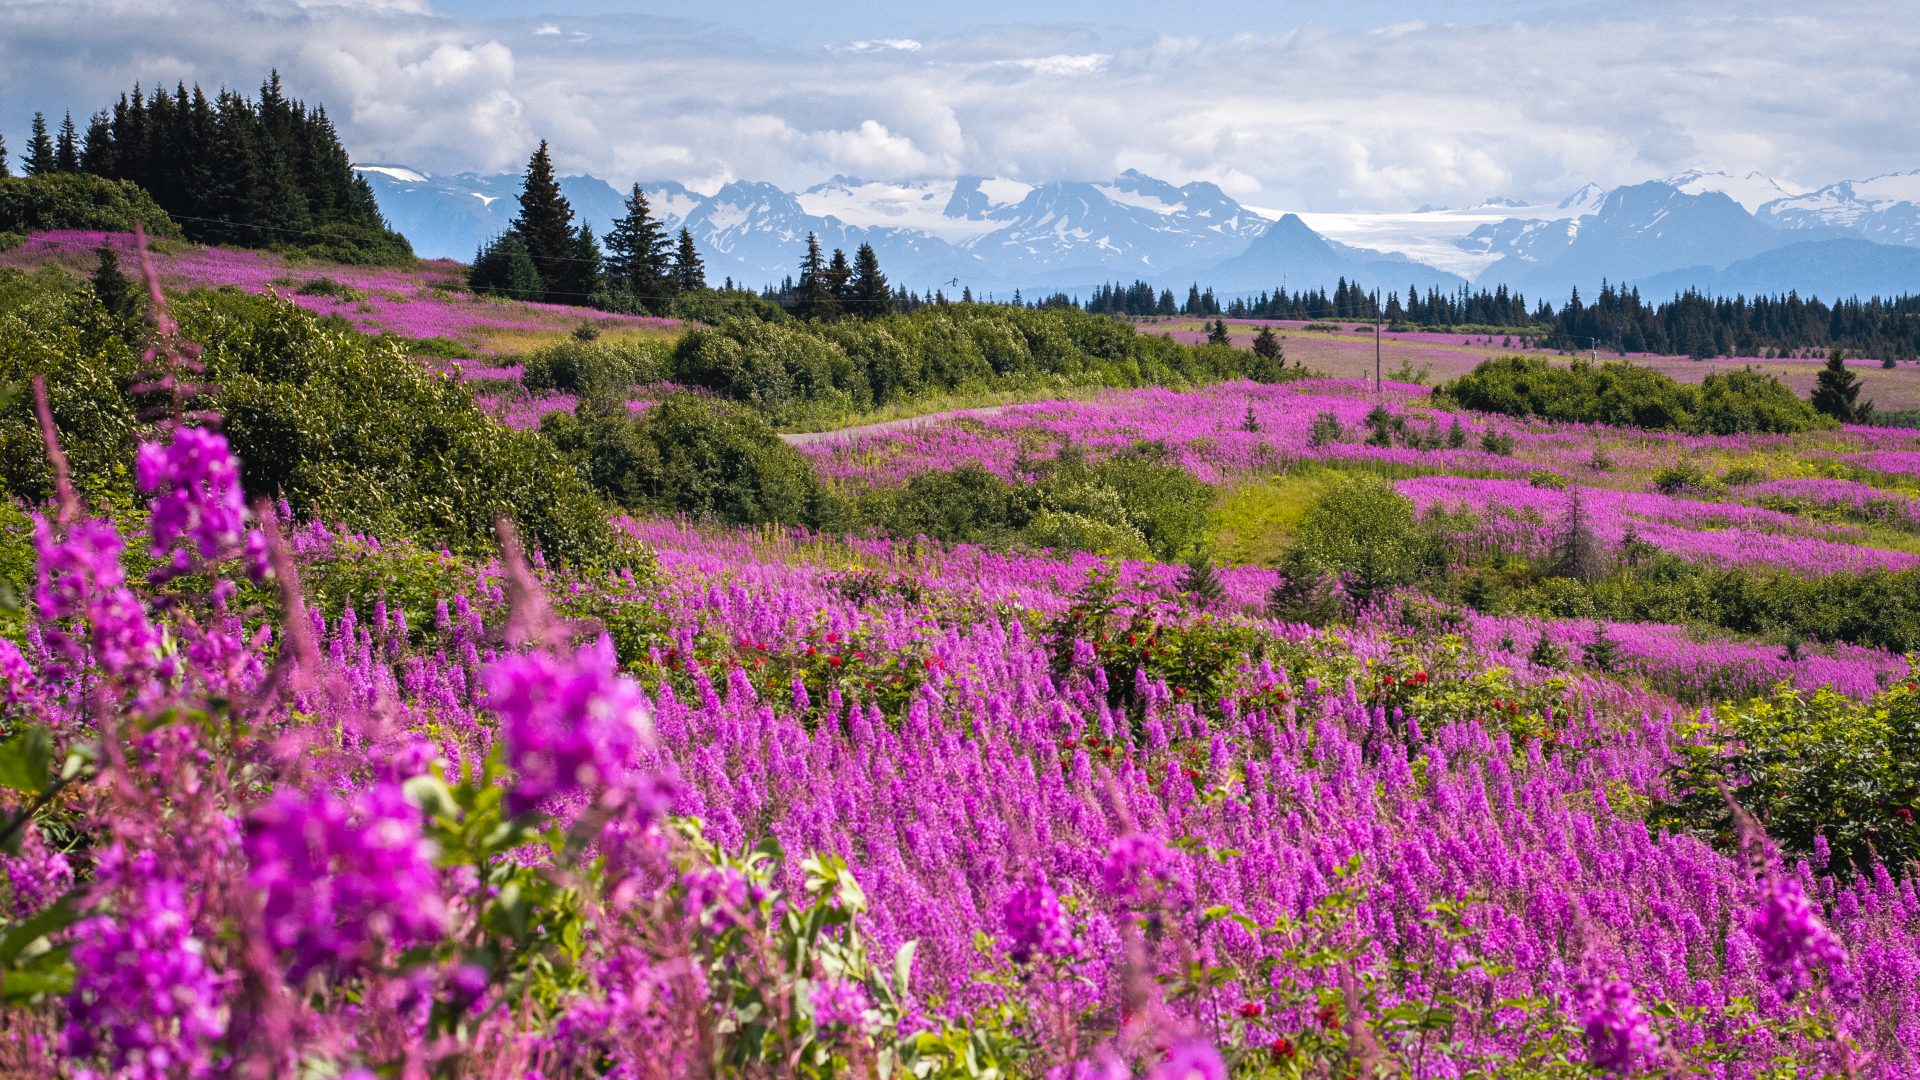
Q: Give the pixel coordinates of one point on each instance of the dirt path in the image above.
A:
(802, 438)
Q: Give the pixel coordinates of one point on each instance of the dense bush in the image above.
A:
(347, 429)
(1137, 503)
(1631, 396)
(1362, 533)
(593, 368)
(77, 201)
(1819, 767)
(1880, 608)
(693, 455)
(794, 371)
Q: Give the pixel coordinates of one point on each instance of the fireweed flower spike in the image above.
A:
(339, 877)
(571, 722)
(1619, 1033)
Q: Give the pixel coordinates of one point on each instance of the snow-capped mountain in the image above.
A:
(1885, 209)
(994, 235)
(1751, 191)
(1293, 256)
(1638, 231)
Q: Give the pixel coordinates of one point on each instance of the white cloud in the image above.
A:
(1062, 64)
(546, 30)
(880, 45)
(1290, 117)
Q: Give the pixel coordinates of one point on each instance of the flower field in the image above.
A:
(1519, 495)
(1347, 351)
(429, 301)
(282, 798)
(1279, 848)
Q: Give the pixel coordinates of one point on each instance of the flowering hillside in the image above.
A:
(279, 797)
(429, 301)
(1516, 474)
(782, 803)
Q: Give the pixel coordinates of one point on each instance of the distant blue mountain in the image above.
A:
(1702, 230)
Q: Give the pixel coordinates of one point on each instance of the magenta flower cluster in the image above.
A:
(144, 999)
(570, 723)
(198, 513)
(1618, 1031)
(340, 877)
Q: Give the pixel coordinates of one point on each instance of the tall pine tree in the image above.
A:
(1837, 393)
(689, 273)
(638, 264)
(66, 148)
(840, 278)
(813, 296)
(545, 224)
(584, 271)
(870, 296)
(39, 156)
(5, 169)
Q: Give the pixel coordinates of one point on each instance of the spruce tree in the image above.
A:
(1266, 345)
(584, 271)
(39, 156)
(545, 223)
(871, 297)
(638, 262)
(1217, 333)
(840, 279)
(1836, 392)
(813, 295)
(503, 267)
(5, 169)
(66, 149)
(96, 153)
(1200, 583)
(1576, 551)
(689, 273)
(112, 286)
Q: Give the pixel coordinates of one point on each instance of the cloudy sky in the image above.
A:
(1295, 104)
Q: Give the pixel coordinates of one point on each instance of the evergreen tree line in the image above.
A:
(1620, 321)
(543, 255)
(1692, 324)
(230, 170)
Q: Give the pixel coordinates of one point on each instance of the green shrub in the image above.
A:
(694, 455)
(796, 371)
(1628, 395)
(1361, 531)
(596, 368)
(79, 201)
(347, 429)
(1138, 503)
(1806, 766)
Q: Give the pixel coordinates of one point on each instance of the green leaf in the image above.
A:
(50, 972)
(903, 967)
(26, 759)
(18, 937)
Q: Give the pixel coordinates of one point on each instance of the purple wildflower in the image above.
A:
(1619, 1032)
(337, 877)
(144, 999)
(570, 723)
(1794, 941)
(840, 1003)
(195, 484)
(1037, 922)
(81, 579)
(1190, 1060)
(36, 876)
(1135, 866)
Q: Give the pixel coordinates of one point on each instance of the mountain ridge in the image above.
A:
(995, 235)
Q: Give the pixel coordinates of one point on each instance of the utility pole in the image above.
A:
(1376, 356)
